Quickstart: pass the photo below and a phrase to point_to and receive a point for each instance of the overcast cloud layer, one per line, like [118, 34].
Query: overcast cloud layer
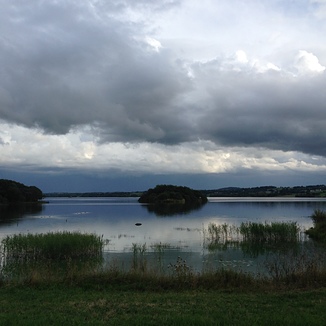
[163, 86]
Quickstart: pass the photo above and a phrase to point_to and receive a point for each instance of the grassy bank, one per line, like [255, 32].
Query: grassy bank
[63, 304]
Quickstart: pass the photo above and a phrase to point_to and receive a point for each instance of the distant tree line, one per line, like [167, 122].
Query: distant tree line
[15, 192]
[269, 191]
[264, 191]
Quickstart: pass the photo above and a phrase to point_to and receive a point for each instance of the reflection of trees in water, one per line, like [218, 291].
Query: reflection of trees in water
[9, 214]
[172, 209]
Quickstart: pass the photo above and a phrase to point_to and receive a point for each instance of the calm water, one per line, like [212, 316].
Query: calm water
[115, 219]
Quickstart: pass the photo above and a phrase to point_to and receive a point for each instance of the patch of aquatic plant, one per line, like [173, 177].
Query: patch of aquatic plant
[221, 236]
[220, 233]
[139, 262]
[252, 238]
[275, 232]
[253, 232]
[56, 246]
[318, 231]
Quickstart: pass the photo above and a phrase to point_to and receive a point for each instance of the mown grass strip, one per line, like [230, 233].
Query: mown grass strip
[75, 305]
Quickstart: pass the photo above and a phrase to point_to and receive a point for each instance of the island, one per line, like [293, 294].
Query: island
[12, 192]
[169, 194]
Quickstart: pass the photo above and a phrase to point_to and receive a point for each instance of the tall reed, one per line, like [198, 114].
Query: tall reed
[221, 233]
[275, 232]
[253, 238]
[58, 245]
[139, 262]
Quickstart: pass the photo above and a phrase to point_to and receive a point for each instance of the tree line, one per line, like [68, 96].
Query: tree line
[15, 192]
[269, 191]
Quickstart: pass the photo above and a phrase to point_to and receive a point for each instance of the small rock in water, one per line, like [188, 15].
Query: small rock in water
[138, 224]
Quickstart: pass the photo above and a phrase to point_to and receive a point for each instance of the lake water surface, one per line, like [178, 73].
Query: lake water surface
[115, 219]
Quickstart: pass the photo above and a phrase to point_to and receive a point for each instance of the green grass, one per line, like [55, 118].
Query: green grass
[63, 304]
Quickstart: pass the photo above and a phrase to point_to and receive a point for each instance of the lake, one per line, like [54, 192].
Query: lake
[165, 236]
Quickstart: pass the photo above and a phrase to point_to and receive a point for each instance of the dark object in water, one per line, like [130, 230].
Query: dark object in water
[138, 224]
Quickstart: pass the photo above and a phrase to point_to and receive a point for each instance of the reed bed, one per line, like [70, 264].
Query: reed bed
[275, 232]
[252, 238]
[254, 232]
[55, 246]
[221, 233]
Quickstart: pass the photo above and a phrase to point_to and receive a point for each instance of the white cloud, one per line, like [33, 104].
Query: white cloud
[30, 148]
[241, 56]
[155, 44]
[307, 62]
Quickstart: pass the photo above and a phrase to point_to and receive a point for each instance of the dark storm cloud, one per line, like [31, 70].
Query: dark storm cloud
[66, 63]
[70, 63]
[271, 109]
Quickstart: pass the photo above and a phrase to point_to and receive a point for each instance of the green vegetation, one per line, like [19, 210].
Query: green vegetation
[255, 233]
[58, 245]
[99, 304]
[318, 231]
[275, 232]
[253, 239]
[292, 292]
[15, 192]
[168, 194]
[49, 256]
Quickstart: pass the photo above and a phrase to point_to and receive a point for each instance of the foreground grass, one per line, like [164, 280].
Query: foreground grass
[62, 304]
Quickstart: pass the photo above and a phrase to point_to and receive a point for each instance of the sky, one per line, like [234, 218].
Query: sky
[122, 95]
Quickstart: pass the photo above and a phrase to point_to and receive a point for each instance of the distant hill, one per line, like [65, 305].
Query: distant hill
[264, 191]
[15, 192]
[269, 191]
[95, 194]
